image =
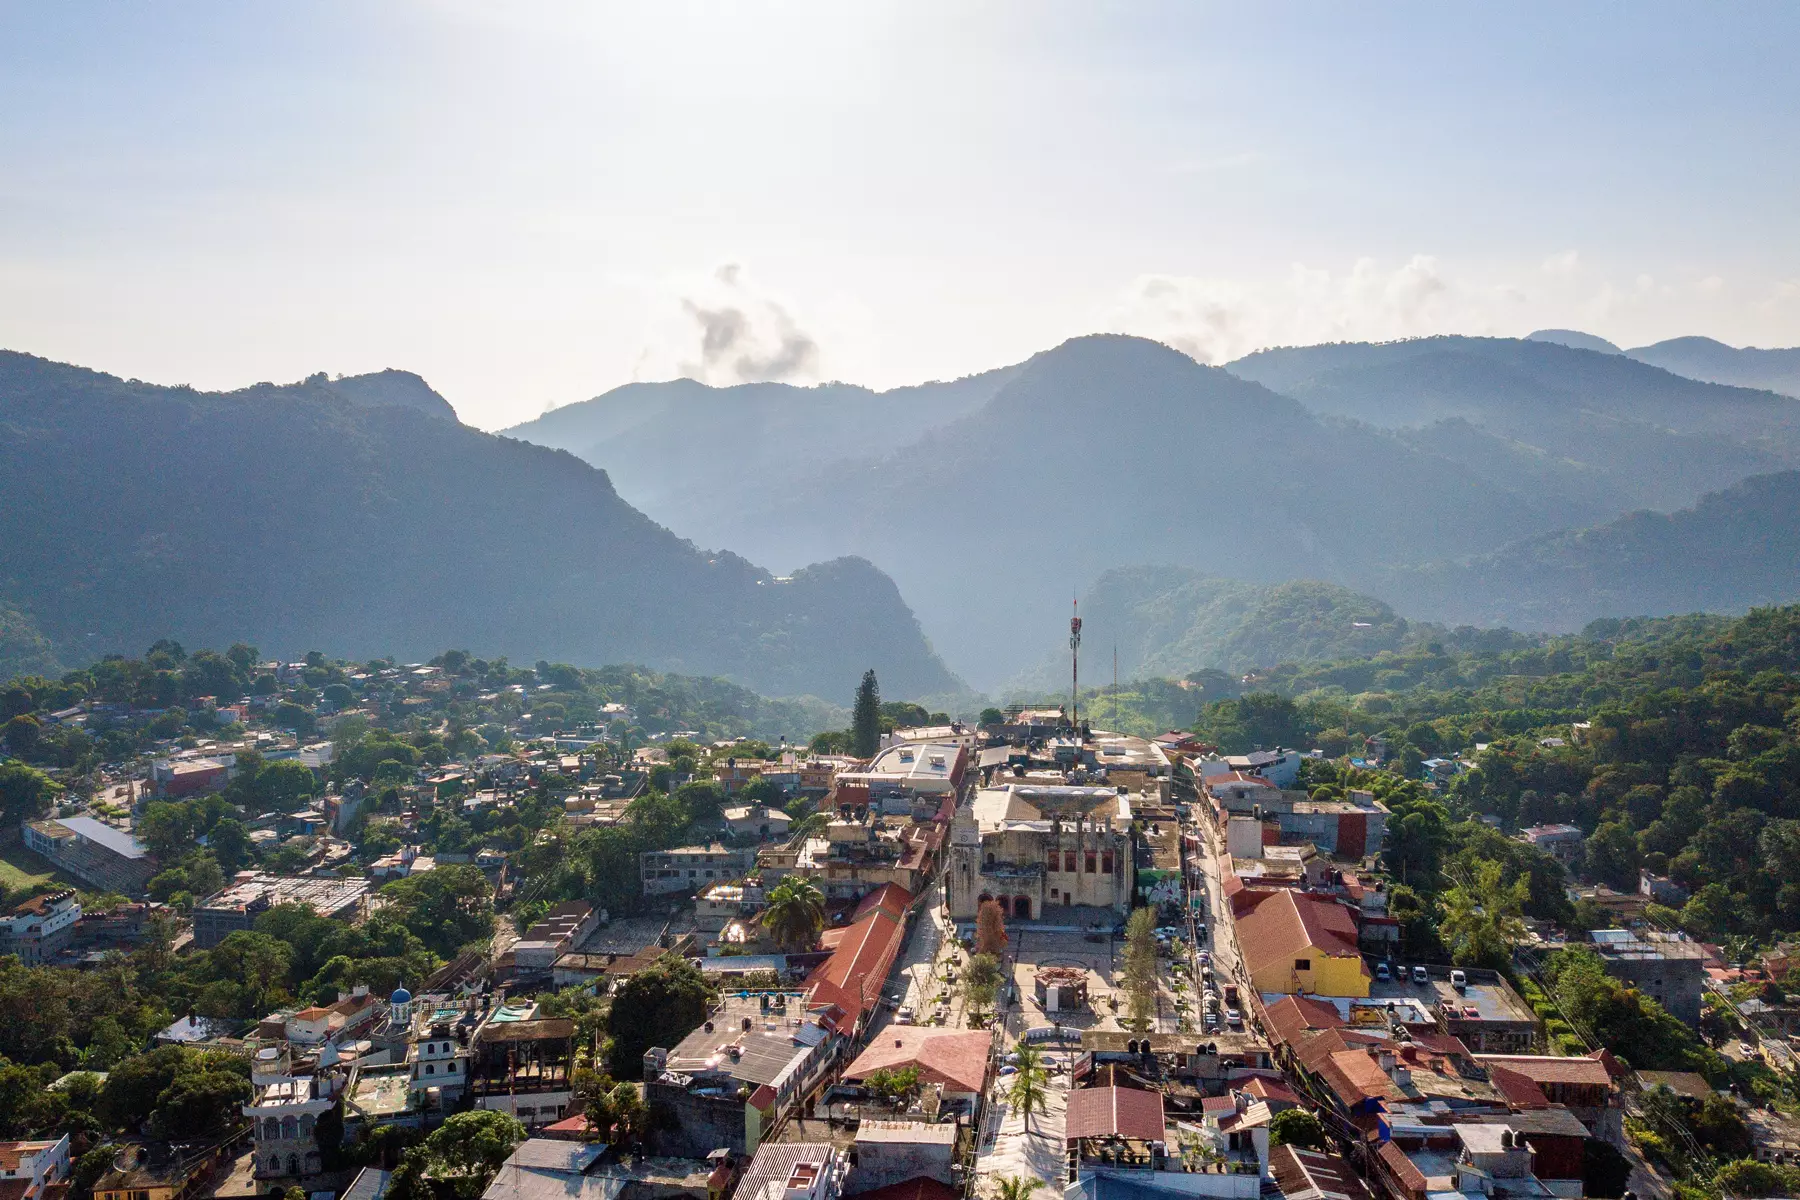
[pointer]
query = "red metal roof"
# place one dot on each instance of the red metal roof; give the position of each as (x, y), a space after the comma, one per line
(1115, 1112)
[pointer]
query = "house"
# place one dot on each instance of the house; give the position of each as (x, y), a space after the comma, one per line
(160, 1172)
(729, 1081)
(794, 1171)
(284, 1113)
(523, 1065)
(1115, 1124)
(952, 1059)
(1660, 888)
(1299, 942)
(33, 1170)
(846, 987)
(1667, 967)
(895, 1152)
(758, 821)
(555, 934)
(1303, 1174)
(689, 868)
(1586, 1086)
(1561, 842)
(41, 928)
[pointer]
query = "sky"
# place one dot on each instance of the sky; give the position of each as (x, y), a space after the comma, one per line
(530, 204)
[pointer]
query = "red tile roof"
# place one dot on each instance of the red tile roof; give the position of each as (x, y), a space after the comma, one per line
(1291, 1016)
(1284, 925)
(956, 1059)
(1548, 1068)
(1272, 1090)
(852, 978)
(1115, 1112)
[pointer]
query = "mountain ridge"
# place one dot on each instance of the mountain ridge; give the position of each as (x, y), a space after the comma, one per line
(298, 518)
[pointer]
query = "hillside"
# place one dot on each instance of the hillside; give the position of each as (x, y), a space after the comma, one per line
(676, 450)
(1704, 358)
(1595, 425)
(296, 518)
(1174, 621)
(1734, 550)
(402, 389)
(1573, 338)
(1109, 450)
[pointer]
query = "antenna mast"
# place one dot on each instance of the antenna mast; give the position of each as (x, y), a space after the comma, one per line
(1075, 665)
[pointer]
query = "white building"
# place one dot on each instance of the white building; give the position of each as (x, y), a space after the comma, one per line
(41, 928)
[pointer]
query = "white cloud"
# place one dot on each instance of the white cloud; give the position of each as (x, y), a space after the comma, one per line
(725, 328)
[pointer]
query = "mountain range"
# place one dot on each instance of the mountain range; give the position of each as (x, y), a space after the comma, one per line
(993, 499)
(1699, 358)
(359, 517)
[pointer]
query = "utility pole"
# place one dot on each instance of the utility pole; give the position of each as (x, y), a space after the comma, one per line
(1075, 665)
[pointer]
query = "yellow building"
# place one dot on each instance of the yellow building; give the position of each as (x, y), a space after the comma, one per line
(1298, 942)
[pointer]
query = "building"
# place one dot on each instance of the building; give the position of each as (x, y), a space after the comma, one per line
(352, 1012)
(523, 1065)
(893, 1152)
(160, 1172)
(1666, 967)
(1661, 888)
(1299, 942)
(284, 1115)
(690, 868)
(1035, 847)
(728, 1082)
(550, 1169)
(1561, 842)
(1586, 1086)
(252, 893)
(1279, 767)
(845, 988)
(758, 821)
(953, 1060)
(555, 934)
(440, 1056)
(100, 855)
(1303, 1174)
(904, 777)
(41, 928)
(794, 1171)
(188, 776)
(34, 1170)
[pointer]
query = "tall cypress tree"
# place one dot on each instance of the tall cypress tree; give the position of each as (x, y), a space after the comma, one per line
(865, 719)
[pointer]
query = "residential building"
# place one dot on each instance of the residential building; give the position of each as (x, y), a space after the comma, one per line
(1299, 942)
(523, 1065)
(1587, 1086)
(729, 1081)
(794, 1171)
(690, 868)
(846, 987)
(756, 820)
(1561, 842)
(1034, 847)
(33, 1170)
(1303, 1174)
(252, 893)
(955, 1061)
(893, 1152)
(284, 1114)
(555, 934)
(160, 1172)
(41, 928)
(1666, 967)
(1661, 888)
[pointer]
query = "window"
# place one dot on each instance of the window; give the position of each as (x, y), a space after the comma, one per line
(1069, 861)
(1090, 862)
(1106, 863)
(430, 1070)
(990, 859)
(1303, 964)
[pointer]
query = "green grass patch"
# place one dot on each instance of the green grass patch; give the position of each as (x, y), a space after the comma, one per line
(21, 869)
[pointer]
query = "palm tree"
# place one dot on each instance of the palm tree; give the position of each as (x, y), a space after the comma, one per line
(1015, 1187)
(1031, 1085)
(796, 912)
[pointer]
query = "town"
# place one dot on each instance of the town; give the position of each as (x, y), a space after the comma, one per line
(458, 928)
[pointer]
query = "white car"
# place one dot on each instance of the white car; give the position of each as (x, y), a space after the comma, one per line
(905, 1015)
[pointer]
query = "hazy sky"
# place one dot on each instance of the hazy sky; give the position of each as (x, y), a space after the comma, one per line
(529, 209)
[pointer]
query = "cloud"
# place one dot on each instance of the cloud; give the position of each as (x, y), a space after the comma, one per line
(728, 331)
(1217, 320)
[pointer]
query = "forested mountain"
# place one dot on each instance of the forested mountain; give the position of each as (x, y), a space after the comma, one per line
(1574, 338)
(298, 518)
(1600, 428)
(686, 453)
(1175, 621)
(1735, 549)
(399, 388)
(1689, 763)
(1704, 358)
(1110, 450)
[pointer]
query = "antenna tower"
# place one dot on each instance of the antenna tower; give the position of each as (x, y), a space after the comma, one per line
(1075, 665)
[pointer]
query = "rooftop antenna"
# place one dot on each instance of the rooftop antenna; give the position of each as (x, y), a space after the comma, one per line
(1075, 665)
(1115, 694)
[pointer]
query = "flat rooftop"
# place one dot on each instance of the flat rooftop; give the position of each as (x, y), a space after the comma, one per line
(326, 895)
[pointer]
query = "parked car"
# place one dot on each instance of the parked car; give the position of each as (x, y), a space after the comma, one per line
(1382, 972)
(1421, 975)
(905, 1015)
(1746, 1049)
(1234, 1018)
(1459, 980)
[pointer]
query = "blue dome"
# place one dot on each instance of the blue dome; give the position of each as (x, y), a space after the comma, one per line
(400, 996)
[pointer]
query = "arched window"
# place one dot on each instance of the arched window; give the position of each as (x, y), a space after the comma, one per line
(1106, 863)
(306, 1124)
(990, 858)
(275, 1164)
(1021, 906)
(271, 1130)
(290, 1128)
(430, 1070)
(293, 1164)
